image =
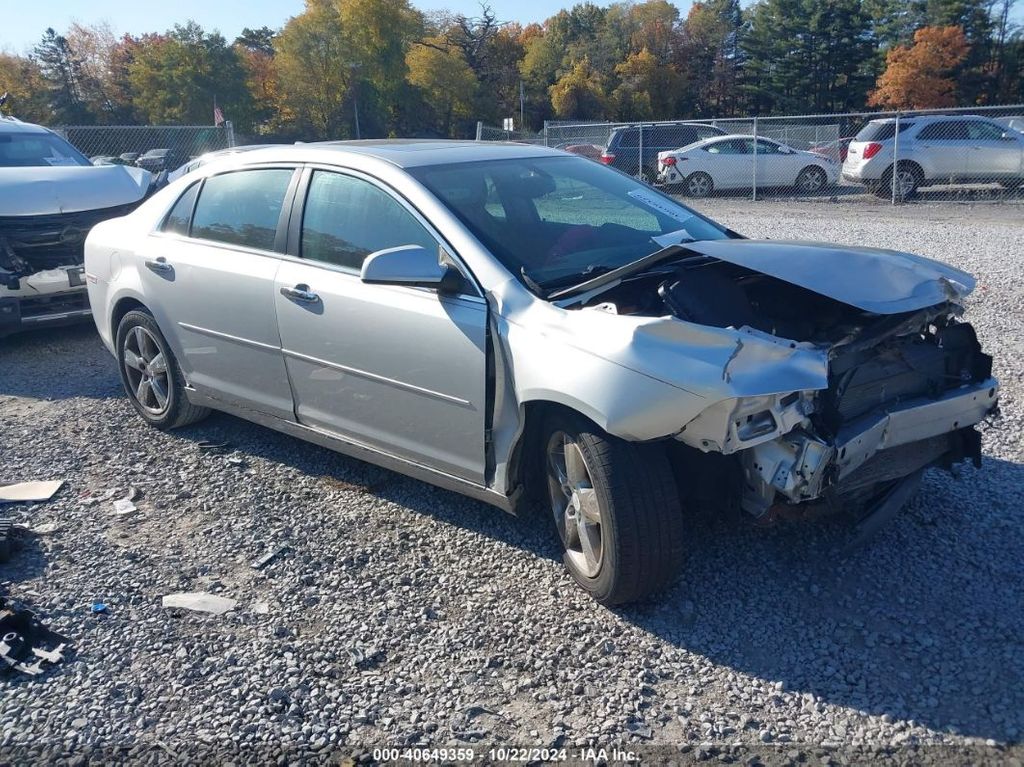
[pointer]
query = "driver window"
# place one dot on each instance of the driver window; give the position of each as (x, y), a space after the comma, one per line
(346, 219)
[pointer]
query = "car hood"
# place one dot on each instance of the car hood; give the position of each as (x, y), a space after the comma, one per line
(69, 189)
(877, 281)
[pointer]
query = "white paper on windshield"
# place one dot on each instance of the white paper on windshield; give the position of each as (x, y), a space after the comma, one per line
(660, 204)
(60, 161)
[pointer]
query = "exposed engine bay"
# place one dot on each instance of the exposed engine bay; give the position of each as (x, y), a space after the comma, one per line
(904, 390)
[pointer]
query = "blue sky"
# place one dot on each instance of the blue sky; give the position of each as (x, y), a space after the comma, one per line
(21, 29)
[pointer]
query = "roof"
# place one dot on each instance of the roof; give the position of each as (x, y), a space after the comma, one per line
(13, 125)
(410, 153)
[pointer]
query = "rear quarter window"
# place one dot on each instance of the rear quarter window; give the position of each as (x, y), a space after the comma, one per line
(242, 207)
(882, 131)
(178, 219)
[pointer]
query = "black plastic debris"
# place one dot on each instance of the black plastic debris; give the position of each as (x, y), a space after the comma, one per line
(5, 538)
(25, 643)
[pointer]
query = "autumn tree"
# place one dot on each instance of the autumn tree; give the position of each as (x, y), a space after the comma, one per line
(255, 51)
(22, 80)
(62, 79)
(707, 52)
(919, 76)
(445, 79)
(176, 77)
(580, 93)
(314, 70)
(648, 89)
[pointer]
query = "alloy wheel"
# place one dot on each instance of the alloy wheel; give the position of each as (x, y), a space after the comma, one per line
(699, 185)
(812, 180)
(574, 503)
(146, 369)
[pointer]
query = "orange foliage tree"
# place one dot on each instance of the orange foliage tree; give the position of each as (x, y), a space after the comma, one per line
(919, 76)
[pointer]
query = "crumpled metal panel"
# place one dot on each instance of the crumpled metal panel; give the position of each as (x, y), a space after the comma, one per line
(878, 281)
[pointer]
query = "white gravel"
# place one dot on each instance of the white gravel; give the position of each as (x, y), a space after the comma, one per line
(402, 614)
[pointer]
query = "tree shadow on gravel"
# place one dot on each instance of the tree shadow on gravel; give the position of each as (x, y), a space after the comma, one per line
(925, 622)
(27, 364)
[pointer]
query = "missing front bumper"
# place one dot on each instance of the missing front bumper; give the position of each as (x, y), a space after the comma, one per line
(800, 466)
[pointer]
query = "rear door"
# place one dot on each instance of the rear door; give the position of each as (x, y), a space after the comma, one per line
(401, 369)
(945, 147)
(994, 153)
(209, 277)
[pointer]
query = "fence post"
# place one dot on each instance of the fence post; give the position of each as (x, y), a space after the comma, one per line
(546, 142)
(640, 160)
(754, 177)
(479, 129)
(229, 132)
(895, 158)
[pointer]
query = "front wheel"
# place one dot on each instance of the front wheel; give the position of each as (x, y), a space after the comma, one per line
(150, 374)
(616, 509)
(811, 180)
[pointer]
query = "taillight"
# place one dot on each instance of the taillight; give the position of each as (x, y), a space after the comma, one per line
(668, 161)
(607, 158)
(872, 149)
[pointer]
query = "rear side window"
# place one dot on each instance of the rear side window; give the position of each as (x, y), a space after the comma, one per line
(950, 130)
(177, 220)
(628, 137)
(346, 219)
(242, 208)
(879, 131)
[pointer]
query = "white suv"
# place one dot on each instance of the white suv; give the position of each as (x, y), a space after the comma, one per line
(935, 149)
(50, 197)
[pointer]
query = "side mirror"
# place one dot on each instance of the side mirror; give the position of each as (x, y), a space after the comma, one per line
(410, 265)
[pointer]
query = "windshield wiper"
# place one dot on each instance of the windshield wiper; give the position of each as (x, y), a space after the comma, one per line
(611, 275)
(546, 286)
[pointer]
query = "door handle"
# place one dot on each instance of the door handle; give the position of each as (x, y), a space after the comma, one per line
(301, 293)
(160, 266)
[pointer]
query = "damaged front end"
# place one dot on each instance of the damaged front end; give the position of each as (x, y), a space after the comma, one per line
(42, 277)
(907, 380)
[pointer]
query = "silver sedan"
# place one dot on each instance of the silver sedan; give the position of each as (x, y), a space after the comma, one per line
(533, 329)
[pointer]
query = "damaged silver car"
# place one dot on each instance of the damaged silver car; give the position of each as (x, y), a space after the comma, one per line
(50, 196)
(528, 327)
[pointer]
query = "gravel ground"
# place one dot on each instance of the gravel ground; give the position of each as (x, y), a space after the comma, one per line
(400, 614)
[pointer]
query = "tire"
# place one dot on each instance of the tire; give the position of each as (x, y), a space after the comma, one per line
(699, 184)
(811, 180)
(910, 179)
(622, 540)
(156, 391)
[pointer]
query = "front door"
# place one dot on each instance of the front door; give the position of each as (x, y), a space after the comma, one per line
(400, 369)
(210, 276)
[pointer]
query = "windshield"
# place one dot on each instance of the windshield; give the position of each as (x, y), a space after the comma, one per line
(25, 150)
(556, 218)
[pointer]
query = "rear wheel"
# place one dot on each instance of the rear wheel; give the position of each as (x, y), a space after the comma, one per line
(616, 509)
(811, 180)
(150, 374)
(699, 184)
(908, 179)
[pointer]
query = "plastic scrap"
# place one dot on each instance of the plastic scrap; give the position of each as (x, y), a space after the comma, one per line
(30, 492)
(98, 608)
(200, 601)
(5, 538)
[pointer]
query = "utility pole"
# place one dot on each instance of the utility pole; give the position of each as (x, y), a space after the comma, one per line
(522, 107)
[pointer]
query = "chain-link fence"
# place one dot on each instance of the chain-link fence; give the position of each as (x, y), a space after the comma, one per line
(968, 154)
(154, 147)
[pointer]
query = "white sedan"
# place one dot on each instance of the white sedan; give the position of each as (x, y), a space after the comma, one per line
(728, 162)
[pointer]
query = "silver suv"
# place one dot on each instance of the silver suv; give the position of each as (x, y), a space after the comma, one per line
(932, 150)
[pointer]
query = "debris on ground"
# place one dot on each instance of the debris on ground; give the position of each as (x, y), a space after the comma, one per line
(25, 643)
(211, 445)
(270, 556)
(99, 608)
(5, 538)
(201, 602)
(123, 507)
(30, 492)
